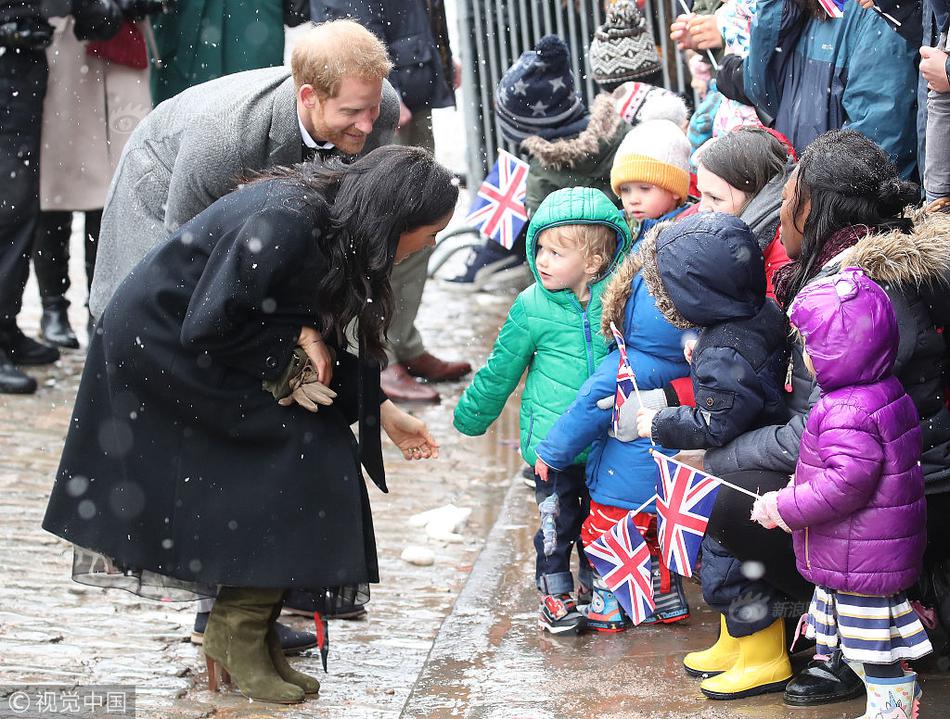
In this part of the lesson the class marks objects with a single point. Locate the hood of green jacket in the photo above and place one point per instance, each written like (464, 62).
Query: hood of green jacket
(577, 206)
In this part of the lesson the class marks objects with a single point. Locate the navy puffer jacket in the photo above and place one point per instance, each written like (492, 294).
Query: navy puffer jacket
(707, 271)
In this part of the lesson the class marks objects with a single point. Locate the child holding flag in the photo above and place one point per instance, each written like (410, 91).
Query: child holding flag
(621, 476)
(856, 506)
(575, 240)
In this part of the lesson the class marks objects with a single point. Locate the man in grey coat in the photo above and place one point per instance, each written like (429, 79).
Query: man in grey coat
(197, 146)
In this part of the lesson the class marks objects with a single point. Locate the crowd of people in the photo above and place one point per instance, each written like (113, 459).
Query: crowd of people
(777, 274)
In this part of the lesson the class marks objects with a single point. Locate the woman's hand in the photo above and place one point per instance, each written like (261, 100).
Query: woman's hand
(933, 68)
(408, 433)
(704, 32)
(312, 343)
(645, 422)
(679, 32)
(541, 469)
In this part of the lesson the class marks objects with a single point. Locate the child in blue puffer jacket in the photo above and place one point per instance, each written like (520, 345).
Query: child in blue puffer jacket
(621, 476)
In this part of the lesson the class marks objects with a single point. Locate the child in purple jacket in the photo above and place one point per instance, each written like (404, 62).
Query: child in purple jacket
(856, 505)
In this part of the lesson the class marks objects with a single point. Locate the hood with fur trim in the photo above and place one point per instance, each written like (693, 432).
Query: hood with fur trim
(919, 258)
(603, 128)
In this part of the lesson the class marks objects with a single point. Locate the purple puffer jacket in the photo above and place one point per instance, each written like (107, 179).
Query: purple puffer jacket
(857, 506)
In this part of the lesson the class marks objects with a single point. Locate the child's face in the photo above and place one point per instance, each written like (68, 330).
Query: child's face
(717, 195)
(643, 201)
(562, 264)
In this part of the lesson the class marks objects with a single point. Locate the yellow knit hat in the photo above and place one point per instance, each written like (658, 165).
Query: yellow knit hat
(656, 152)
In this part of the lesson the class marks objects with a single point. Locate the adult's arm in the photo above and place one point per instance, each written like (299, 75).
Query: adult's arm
(728, 398)
(775, 32)
(484, 399)
(851, 457)
(878, 93)
(583, 421)
(225, 316)
(96, 19)
(206, 169)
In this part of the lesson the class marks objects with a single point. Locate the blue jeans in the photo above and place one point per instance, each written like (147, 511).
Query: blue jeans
(553, 573)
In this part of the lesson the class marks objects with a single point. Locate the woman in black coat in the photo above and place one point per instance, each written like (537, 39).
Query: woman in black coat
(180, 473)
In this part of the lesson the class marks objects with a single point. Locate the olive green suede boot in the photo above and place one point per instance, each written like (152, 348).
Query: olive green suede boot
(236, 641)
(309, 684)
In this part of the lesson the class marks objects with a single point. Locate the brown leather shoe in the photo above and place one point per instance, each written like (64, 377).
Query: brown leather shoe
(431, 368)
(399, 386)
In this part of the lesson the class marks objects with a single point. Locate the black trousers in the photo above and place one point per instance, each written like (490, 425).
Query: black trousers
(51, 250)
(23, 76)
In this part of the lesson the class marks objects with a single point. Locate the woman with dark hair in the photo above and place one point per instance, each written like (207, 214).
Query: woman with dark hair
(181, 476)
(742, 173)
(842, 207)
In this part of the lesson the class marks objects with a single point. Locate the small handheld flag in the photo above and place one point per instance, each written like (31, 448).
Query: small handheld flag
(625, 386)
(498, 209)
(834, 8)
(685, 499)
(622, 559)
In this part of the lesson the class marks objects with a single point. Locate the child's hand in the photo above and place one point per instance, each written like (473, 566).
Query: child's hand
(541, 469)
(688, 348)
(765, 512)
(866, 4)
(645, 422)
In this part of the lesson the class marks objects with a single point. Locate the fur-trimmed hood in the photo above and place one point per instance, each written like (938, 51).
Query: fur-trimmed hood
(919, 258)
(604, 126)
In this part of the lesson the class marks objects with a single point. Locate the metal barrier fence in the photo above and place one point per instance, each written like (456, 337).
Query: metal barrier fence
(493, 33)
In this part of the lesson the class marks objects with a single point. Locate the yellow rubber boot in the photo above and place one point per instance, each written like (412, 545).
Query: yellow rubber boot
(762, 666)
(718, 658)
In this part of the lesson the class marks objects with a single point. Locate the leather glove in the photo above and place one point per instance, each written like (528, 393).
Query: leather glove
(627, 424)
(298, 384)
(765, 512)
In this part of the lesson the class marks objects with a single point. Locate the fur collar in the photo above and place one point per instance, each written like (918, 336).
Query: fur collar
(915, 259)
(604, 123)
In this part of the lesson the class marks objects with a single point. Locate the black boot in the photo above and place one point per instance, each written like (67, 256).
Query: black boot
(824, 681)
(21, 349)
(12, 380)
(54, 325)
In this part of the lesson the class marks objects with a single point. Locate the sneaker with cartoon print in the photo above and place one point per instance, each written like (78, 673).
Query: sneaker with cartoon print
(559, 615)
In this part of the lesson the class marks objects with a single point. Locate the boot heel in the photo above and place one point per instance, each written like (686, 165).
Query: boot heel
(217, 674)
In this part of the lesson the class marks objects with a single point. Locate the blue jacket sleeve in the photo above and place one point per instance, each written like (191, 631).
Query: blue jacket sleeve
(584, 421)
(728, 399)
(771, 41)
(877, 102)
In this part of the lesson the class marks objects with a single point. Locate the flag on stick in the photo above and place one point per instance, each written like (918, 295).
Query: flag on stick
(622, 559)
(498, 209)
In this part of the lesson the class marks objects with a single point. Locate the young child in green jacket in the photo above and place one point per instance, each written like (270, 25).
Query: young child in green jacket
(575, 240)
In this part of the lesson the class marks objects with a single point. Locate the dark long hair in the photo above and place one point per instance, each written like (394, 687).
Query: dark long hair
(370, 203)
(747, 158)
(849, 181)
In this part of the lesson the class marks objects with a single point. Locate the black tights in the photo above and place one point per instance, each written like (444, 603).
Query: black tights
(51, 250)
(893, 670)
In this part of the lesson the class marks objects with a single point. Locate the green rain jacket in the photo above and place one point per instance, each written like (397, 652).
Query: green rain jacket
(549, 333)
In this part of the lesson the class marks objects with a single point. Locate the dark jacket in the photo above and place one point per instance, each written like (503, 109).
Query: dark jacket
(707, 271)
(195, 472)
(417, 39)
(815, 75)
(912, 269)
(94, 20)
(856, 510)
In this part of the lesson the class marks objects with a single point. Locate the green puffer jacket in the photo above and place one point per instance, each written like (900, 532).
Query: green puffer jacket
(549, 333)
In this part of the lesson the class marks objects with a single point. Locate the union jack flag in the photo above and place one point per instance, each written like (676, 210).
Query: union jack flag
(622, 559)
(834, 8)
(685, 498)
(498, 209)
(625, 386)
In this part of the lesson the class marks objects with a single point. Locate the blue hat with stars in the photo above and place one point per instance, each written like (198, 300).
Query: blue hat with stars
(536, 96)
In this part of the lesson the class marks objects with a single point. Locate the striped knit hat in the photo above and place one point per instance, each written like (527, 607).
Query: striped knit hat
(622, 49)
(655, 152)
(536, 96)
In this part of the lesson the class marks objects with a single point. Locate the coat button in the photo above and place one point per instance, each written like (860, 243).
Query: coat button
(710, 401)
(271, 362)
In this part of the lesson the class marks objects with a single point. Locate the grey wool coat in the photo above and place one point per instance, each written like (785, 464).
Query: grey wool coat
(192, 150)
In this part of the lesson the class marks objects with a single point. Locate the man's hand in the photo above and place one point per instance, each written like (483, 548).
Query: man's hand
(312, 343)
(408, 433)
(405, 114)
(933, 68)
(645, 422)
(541, 469)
